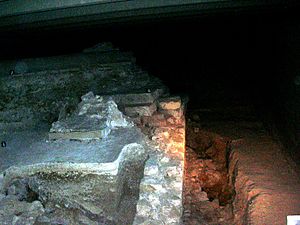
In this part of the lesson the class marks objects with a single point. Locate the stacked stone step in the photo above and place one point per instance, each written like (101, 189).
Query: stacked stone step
(172, 110)
(160, 117)
(93, 119)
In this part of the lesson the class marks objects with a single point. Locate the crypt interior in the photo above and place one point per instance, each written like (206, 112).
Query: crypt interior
(130, 112)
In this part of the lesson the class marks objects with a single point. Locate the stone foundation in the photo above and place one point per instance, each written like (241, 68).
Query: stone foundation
(161, 188)
(35, 96)
(76, 184)
(38, 94)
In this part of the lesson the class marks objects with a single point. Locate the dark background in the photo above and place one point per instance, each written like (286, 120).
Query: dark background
(225, 57)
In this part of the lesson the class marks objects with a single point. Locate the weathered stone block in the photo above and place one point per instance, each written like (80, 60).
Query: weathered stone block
(95, 190)
(19, 188)
(176, 113)
(142, 110)
(43, 89)
(93, 119)
(93, 193)
(79, 135)
(133, 99)
(156, 120)
(151, 170)
(161, 190)
(170, 103)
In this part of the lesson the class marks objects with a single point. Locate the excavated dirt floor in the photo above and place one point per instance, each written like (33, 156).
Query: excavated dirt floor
(235, 172)
(198, 209)
(207, 193)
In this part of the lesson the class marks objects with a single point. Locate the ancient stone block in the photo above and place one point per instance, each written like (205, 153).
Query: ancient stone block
(156, 120)
(176, 113)
(170, 103)
(49, 82)
(133, 99)
(93, 119)
(97, 181)
(72, 190)
(79, 135)
(142, 110)
(160, 193)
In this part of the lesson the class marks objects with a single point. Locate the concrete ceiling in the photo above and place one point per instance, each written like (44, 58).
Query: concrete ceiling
(41, 14)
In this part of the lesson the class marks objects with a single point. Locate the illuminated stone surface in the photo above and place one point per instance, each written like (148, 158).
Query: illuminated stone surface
(139, 98)
(93, 119)
(90, 180)
(86, 176)
(13, 211)
(38, 95)
(142, 110)
(161, 188)
(171, 103)
(96, 189)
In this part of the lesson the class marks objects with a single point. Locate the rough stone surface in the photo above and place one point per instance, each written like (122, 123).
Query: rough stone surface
(170, 103)
(40, 94)
(91, 181)
(73, 187)
(160, 200)
(142, 110)
(138, 98)
(93, 119)
(21, 67)
(95, 191)
(161, 188)
(15, 212)
(19, 188)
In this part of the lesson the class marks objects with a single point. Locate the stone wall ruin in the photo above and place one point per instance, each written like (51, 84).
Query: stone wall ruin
(134, 142)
